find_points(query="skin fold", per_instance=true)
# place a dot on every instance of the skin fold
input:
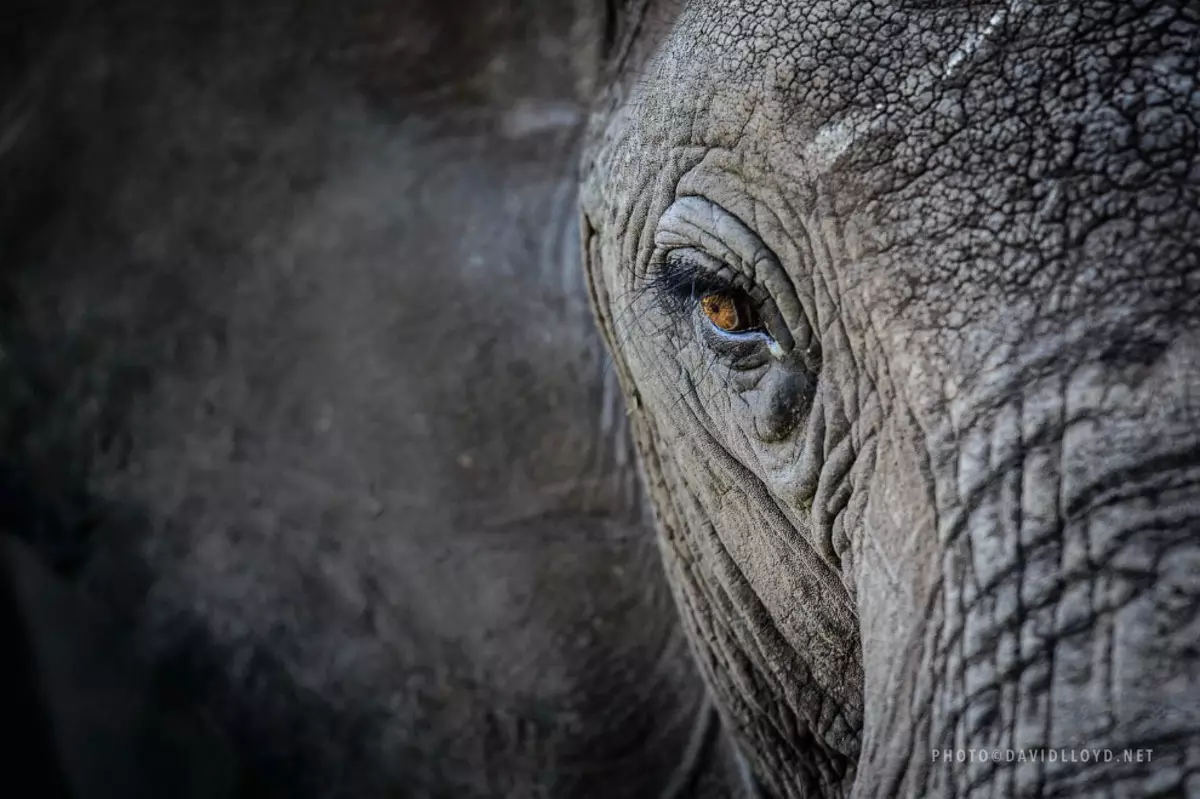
(302, 400)
(946, 494)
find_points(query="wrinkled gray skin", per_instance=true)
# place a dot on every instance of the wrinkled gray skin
(299, 384)
(951, 496)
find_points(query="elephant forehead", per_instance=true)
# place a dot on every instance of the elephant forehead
(795, 94)
(992, 173)
(805, 65)
(789, 87)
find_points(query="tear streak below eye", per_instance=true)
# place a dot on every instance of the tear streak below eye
(730, 311)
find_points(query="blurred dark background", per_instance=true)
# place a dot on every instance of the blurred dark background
(314, 480)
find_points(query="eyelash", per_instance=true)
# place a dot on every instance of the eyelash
(680, 285)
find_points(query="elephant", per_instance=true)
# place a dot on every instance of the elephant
(315, 479)
(618, 398)
(904, 298)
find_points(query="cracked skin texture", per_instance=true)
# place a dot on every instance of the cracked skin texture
(975, 228)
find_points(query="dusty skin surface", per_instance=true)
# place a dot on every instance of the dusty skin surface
(299, 386)
(949, 494)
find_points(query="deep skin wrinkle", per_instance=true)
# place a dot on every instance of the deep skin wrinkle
(985, 218)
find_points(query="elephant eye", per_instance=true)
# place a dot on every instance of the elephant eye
(682, 287)
(730, 311)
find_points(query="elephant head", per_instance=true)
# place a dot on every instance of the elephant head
(905, 299)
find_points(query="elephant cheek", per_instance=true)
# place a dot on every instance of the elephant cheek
(1052, 601)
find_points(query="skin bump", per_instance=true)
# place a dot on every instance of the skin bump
(785, 393)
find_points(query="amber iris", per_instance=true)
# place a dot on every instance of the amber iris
(729, 311)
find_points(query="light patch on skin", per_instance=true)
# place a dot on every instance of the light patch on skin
(976, 39)
(835, 139)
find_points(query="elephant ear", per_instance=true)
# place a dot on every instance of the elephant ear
(622, 19)
(632, 30)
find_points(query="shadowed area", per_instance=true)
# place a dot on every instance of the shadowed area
(299, 385)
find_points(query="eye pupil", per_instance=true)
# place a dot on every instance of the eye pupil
(729, 311)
